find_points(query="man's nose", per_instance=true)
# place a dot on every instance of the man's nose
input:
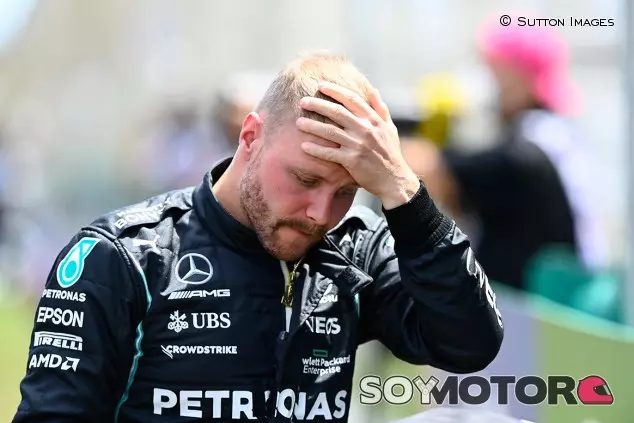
(319, 209)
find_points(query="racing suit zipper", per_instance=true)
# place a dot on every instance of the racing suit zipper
(287, 299)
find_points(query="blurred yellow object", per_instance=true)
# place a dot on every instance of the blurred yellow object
(441, 98)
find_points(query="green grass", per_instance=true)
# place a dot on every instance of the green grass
(16, 322)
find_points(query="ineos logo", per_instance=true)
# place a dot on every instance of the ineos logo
(323, 325)
(193, 269)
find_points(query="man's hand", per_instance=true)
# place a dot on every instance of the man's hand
(369, 147)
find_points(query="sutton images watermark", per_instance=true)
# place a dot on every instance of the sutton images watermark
(570, 21)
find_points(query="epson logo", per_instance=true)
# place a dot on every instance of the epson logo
(236, 405)
(60, 317)
(58, 340)
(199, 293)
(323, 325)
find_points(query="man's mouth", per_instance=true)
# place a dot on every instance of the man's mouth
(301, 232)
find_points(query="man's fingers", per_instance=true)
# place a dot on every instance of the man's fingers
(326, 131)
(335, 155)
(333, 111)
(379, 106)
(351, 100)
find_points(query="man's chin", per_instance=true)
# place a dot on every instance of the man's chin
(290, 249)
(286, 254)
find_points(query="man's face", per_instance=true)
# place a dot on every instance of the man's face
(513, 89)
(291, 198)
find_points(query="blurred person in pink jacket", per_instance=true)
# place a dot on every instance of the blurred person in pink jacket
(534, 189)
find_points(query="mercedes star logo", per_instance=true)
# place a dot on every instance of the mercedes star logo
(193, 269)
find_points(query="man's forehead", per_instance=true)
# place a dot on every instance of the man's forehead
(312, 166)
(330, 172)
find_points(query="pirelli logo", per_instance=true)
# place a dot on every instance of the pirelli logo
(58, 340)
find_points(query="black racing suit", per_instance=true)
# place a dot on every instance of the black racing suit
(170, 310)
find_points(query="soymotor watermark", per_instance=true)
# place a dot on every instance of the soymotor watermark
(476, 390)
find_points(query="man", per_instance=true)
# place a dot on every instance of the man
(247, 296)
(534, 190)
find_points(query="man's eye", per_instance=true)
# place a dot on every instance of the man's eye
(350, 192)
(306, 181)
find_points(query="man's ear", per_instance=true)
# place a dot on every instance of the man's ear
(251, 133)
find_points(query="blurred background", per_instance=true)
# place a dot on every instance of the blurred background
(523, 139)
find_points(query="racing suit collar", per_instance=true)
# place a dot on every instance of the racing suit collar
(217, 220)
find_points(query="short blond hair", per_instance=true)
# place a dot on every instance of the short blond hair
(300, 78)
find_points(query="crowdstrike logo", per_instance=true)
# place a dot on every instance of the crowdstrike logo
(172, 350)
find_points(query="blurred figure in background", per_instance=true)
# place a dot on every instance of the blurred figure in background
(4, 181)
(232, 103)
(533, 190)
(186, 138)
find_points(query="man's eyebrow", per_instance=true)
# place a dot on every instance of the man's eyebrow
(306, 173)
(311, 175)
(351, 185)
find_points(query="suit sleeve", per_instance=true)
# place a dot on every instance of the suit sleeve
(430, 302)
(82, 339)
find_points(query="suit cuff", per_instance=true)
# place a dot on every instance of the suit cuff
(417, 224)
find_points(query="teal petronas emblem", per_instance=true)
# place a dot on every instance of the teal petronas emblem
(72, 266)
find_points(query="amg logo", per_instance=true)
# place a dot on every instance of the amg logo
(58, 340)
(199, 293)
